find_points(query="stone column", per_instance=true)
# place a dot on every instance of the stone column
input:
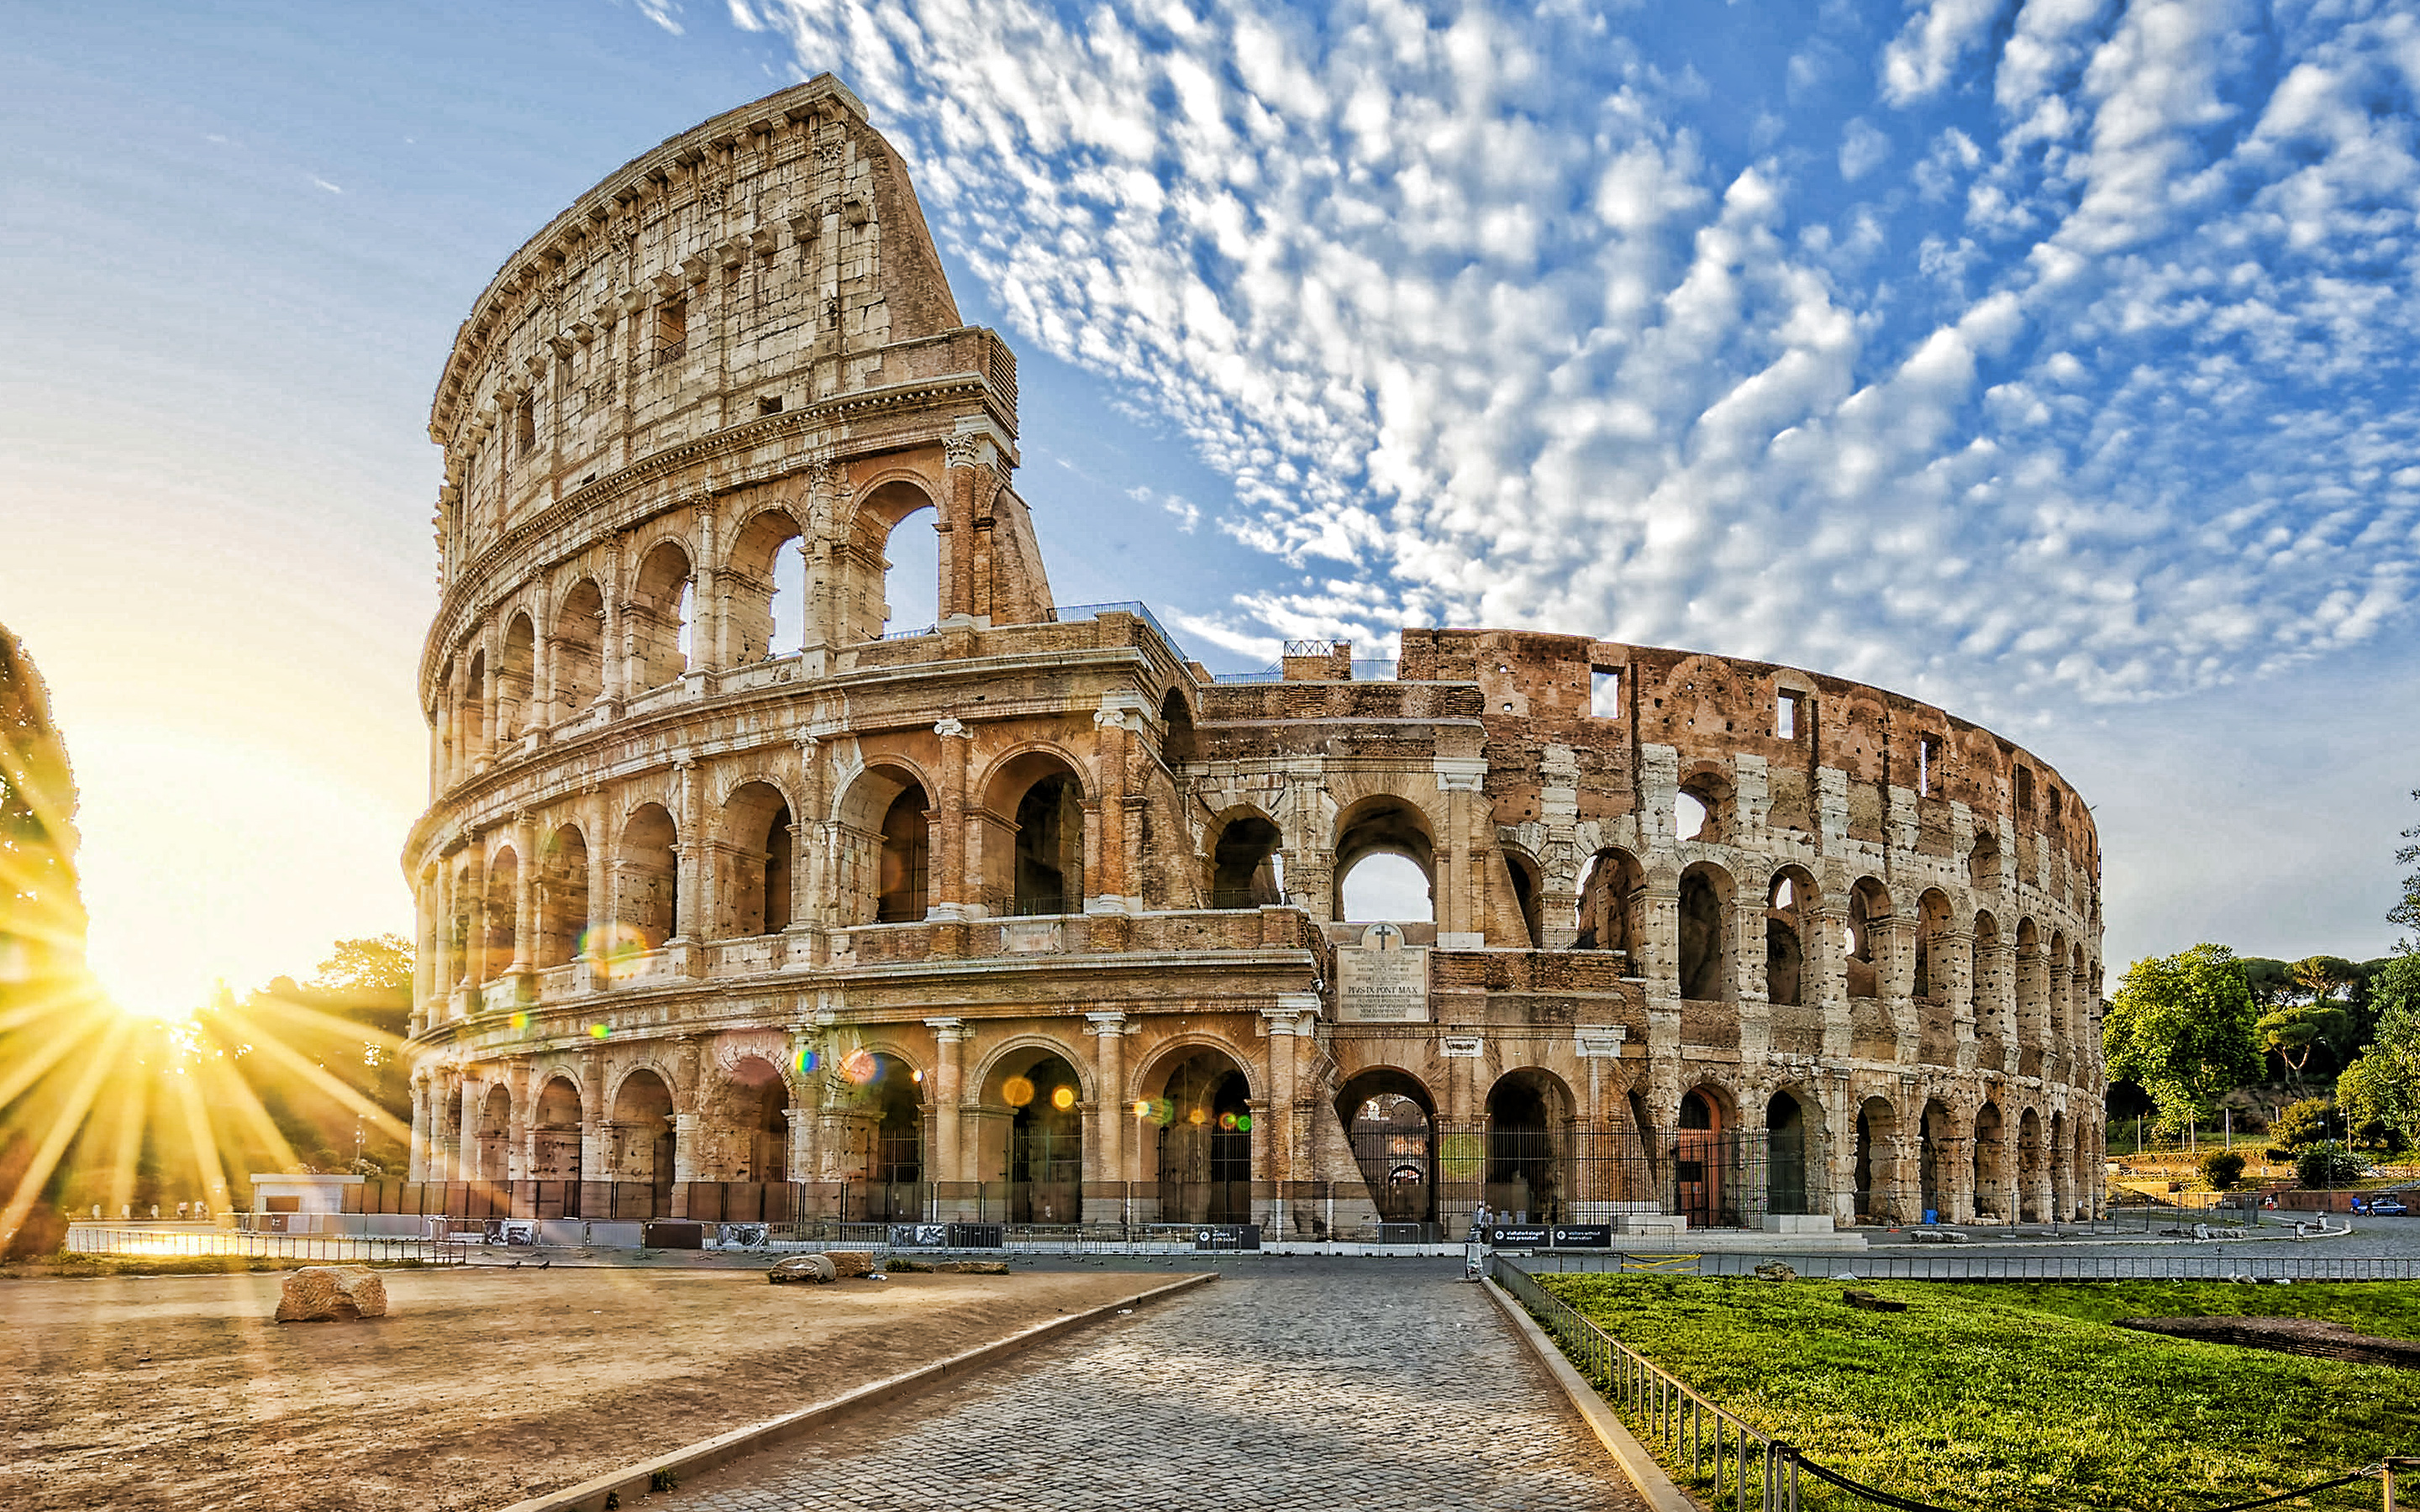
(944, 1152)
(417, 1169)
(525, 891)
(952, 859)
(466, 1146)
(1460, 919)
(474, 951)
(810, 861)
(1109, 1032)
(613, 656)
(1954, 965)
(688, 856)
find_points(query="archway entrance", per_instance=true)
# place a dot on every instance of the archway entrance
(1526, 1175)
(885, 1087)
(1699, 1191)
(1391, 1121)
(1046, 1142)
(1205, 1142)
(645, 1145)
(495, 1137)
(1785, 1155)
(759, 1110)
(1933, 1133)
(554, 1143)
(1877, 1162)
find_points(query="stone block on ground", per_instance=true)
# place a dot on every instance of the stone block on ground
(814, 1270)
(852, 1261)
(332, 1294)
(1776, 1271)
(901, 1265)
(973, 1267)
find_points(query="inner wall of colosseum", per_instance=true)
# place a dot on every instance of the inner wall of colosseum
(740, 897)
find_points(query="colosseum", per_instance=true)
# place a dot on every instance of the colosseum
(738, 901)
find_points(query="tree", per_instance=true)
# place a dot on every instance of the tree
(2182, 1028)
(2381, 1089)
(2407, 913)
(2221, 1169)
(2293, 1031)
(2326, 1163)
(2375, 1105)
(2300, 1123)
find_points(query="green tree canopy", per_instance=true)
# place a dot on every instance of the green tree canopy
(2182, 1027)
(2380, 1091)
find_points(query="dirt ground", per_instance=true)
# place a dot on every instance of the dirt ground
(480, 1387)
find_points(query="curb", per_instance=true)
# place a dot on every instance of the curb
(633, 1480)
(1654, 1486)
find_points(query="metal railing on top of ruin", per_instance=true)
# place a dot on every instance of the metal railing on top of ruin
(1139, 610)
(1735, 1465)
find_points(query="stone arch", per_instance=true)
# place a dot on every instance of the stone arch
(1992, 1186)
(1707, 790)
(499, 945)
(1983, 862)
(868, 584)
(883, 871)
(2033, 997)
(1383, 823)
(1709, 968)
(659, 618)
(646, 880)
(516, 679)
(1530, 1165)
(576, 649)
(1794, 1152)
(562, 896)
(1938, 1158)
(1528, 889)
(644, 1136)
(1933, 922)
(1984, 972)
(1043, 1088)
(1611, 907)
(475, 713)
(495, 1135)
(1246, 863)
(757, 859)
(1876, 1174)
(1034, 833)
(555, 1129)
(1390, 1119)
(1705, 1156)
(751, 1110)
(758, 581)
(1868, 955)
(1201, 1146)
(1790, 911)
(2060, 991)
(1176, 728)
(2033, 1170)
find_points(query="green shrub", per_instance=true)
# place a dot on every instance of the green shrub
(2221, 1169)
(2326, 1163)
(2301, 1123)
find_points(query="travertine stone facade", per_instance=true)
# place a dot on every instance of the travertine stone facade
(718, 884)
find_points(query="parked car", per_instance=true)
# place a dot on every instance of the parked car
(2389, 1205)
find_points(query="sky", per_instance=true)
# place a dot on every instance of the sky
(2049, 359)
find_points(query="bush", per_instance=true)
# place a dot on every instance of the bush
(2277, 1155)
(2327, 1165)
(2301, 1123)
(2221, 1169)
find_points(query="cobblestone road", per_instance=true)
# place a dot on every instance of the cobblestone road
(1328, 1385)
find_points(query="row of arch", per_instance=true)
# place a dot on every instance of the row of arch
(769, 596)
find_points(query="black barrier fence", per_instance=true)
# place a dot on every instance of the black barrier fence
(1731, 1464)
(1870, 1265)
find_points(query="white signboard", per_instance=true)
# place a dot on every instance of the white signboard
(1465, 1049)
(1382, 981)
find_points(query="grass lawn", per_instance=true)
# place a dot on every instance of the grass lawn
(2016, 1398)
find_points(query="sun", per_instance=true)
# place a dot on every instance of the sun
(147, 1001)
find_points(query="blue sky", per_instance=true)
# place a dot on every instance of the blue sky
(2048, 358)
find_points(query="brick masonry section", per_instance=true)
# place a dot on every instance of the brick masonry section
(1382, 1384)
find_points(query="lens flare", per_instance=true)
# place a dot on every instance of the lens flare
(1198, 1116)
(861, 1067)
(520, 1022)
(1142, 1107)
(599, 1031)
(1063, 1098)
(614, 949)
(1016, 1091)
(808, 1060)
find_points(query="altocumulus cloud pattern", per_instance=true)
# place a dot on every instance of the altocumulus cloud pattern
(2063, 348)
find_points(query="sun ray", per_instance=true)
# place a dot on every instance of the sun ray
(204, 1141)
(62, 1133)
(133, 1110)
(62, 999)
(36, 1066)
(321, 1077)
(232, 1091)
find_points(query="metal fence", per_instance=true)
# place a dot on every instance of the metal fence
(86, 1239)
(1730, 1462)
(1869, 1265)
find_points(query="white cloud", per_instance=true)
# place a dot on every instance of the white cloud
(1863, 149)
(1188, 514)
(1921, 59)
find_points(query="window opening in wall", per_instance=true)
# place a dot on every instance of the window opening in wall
(907, 850)
(1383, 885)
(1245, 865)
(525, 427)
(2025, 790)
(911, 578)
(672, 330)
(686, 638)
(769, 405)
(1788, 715)
(1605, 695)
(1928, 765)
(789, 635)
(1689, 817)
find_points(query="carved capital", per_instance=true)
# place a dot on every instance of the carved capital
(951, 726)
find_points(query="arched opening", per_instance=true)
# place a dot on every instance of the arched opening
(763, 589)
(1877, 1162)
(1205, 1155)
(2033, 993)
(496, 1136)
(911, 574)
(1391, 1121)
(897, 1169)
(1701, 1189)
(646, 880)
(1525, 898)
(1933, 1154)
(577, 650)
(2033, 1175)
(757, 1103)
(1040, 870)
(1932, 939)
(884, 856)
(756, 884)
(562, 897)
(2062, 991)
(644, 1139)
(503, 890)
(1176, 722)
(1707, 970)
(1609, 905)
(1868, 906)
(662, 602)
(515, 671)
(1528, 1113)
(1702, 810)
(1786, 1140)
(1984, 970)
(1244, 869)
(1045, 1139)
(1384, 864)
(475, 713)
(554, 1138)
(1789, 903)
(906, 859)
(1991, 1195)
(1983, 864)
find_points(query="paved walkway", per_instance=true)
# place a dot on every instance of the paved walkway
(1384, 1385)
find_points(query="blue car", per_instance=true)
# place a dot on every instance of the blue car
(2391, 1206)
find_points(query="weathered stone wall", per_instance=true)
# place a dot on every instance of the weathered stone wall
(696, 906)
